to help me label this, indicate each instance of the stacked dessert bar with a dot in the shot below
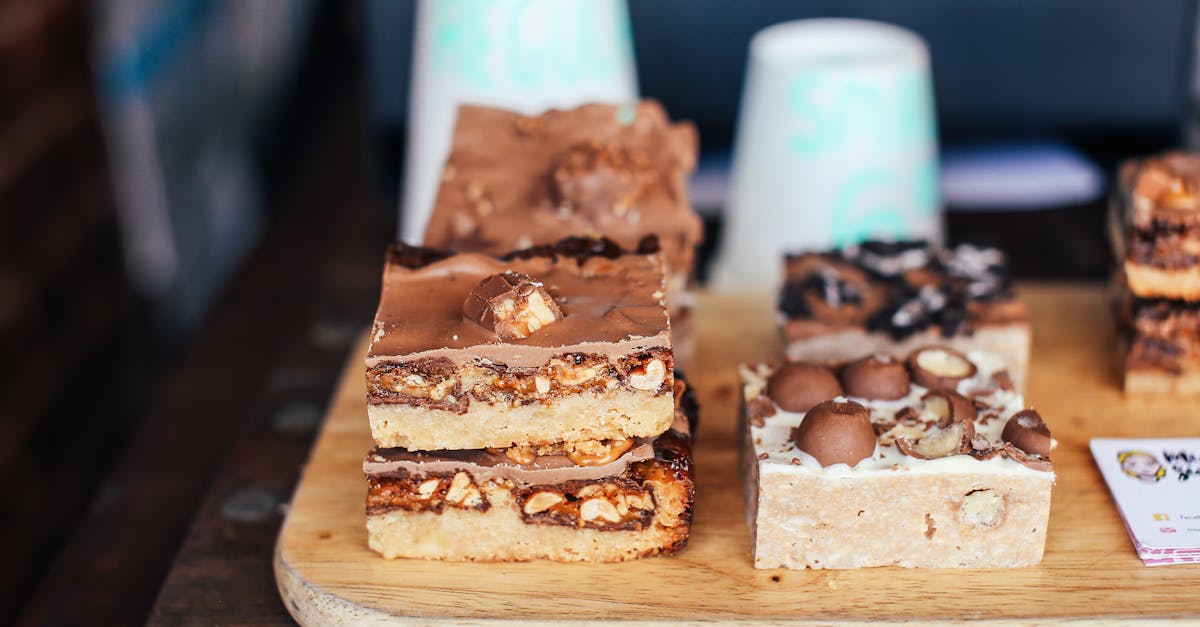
(929, 461)
(1155, 230)
(513, 182)
(895, 297)
(526, 407)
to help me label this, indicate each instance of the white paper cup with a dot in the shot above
(836, 143)
(524, 55)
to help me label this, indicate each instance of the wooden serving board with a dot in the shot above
(326, 573)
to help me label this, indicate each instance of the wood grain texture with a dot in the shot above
(326, 572)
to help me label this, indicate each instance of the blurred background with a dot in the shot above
(188, 186)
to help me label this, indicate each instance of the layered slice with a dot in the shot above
(633, 499)
(895, 297)
(1160, 344)
(513, 181)
(928, 462)
(557, 343)
(1155, 224)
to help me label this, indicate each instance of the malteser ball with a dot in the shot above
(937, 367)
(836, 433)
(876, 377)
(1028, 432)
(797, 387)
(964, 408)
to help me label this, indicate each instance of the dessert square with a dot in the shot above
(1155, 225)
(929, 462)
(895, 297)
(489, 505)
(1159, 344)
(513, 181)
(556, 343)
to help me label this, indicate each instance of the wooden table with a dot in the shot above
(1090, 569)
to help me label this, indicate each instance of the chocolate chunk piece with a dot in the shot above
(836, 432)
(595, 178)
(876, 377)
(798, 387)
(1028, 432)
(512, 304)
(937, 367)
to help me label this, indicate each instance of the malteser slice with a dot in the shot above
(954, 472)
(551, 344)
(487, 506)
(894, 297)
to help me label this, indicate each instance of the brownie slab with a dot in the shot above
(895, 297)
(557, 343)
(1155, 225)
(863, 466)
(486, 506)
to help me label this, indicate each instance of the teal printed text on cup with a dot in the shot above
(833, 114)
(863, 209)
(882, 134)
(528, 43)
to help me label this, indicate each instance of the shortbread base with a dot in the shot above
(914, 521)
(500, 534)
(1147, 382)
(1147, 281)
(1011, 342)
(610, 415)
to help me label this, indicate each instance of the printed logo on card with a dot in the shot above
(1141, 465)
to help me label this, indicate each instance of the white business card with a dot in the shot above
(1156, 484)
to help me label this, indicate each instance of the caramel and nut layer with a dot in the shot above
(439, 384)
(429, 493)
(621, 502)
(1163, 335)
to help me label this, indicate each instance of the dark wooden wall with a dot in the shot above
(64, 301)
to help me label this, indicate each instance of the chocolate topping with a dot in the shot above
(612, 304)
(512, 304)
(1166, 189)
(836, 433)
(900, 288)
(513, 181)
(484, 465)
(938, 367)
(598, 177)
(1028, 432)
(798, 386)
(876, 377)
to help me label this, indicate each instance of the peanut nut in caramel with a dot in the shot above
(798, 387)
(512, 304)
(836, 432)
(1027, 431)
(937, 367)
(876, 377)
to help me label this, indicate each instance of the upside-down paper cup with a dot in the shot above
(524, 55)
(836, 143)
